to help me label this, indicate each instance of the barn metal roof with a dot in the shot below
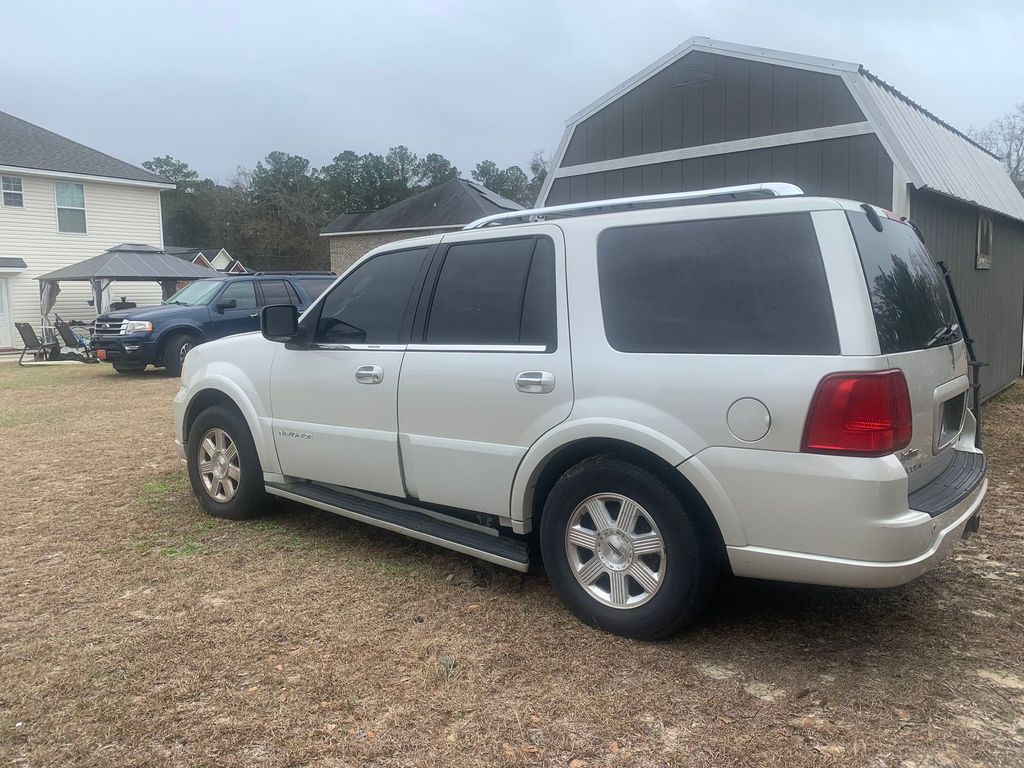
(930, 153)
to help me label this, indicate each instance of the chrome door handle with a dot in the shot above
(255, 314)
(535, 382)
(369, 374)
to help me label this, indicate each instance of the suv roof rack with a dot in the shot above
(295, 272)
(593, 207)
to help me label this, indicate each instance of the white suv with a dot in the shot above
(652, 389)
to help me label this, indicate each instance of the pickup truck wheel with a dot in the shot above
(175, 349)
(223, 465)
(624, 552)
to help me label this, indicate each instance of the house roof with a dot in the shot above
(131, 261)
(452, 204)
(24, 145)
(929, 152)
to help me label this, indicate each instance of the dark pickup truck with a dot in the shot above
(204, 310)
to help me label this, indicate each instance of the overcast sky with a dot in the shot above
(221, 84)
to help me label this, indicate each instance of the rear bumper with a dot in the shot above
(126, 349)
(945, 531)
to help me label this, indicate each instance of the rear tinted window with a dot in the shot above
(908, 295)
(753, 285)
(314, 286)
(483, 287)
(278, 292)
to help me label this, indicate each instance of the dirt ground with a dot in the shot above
(136, 631)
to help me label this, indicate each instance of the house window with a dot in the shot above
(70, 207)
(984, 255)
(13, 197)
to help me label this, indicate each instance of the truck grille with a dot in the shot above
(108, 327)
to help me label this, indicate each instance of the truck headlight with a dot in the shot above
(136, 326)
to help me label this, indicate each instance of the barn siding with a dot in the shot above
(855, 167)
(705, 98)
(992, 299)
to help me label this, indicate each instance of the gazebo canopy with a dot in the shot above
(122, 262)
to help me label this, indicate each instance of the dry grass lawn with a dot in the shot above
(136, 631)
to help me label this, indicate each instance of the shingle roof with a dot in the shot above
(130, 261)
(24, 145)
(452, 204)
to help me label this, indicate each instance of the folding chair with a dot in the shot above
(31, 342)
(71, 339)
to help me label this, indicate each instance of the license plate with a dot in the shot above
(101, 354)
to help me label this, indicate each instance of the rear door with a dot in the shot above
(488, 370)
(917, 331)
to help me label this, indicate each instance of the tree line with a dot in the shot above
(270, 217)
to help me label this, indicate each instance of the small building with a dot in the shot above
(62, 203)
(215, 258)
(443, 208)
(712, 114)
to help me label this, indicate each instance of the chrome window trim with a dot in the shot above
(476, 348)
(360, 347)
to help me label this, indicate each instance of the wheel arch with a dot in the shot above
(540, 470)
(170, 333)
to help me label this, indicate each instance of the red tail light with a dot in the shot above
(860, 414)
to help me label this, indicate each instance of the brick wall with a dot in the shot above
(346, 249)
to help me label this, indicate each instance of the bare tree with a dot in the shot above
(1005, 137)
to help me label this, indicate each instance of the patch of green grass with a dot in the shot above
(155, 493)
(185, 549)
(16, 377)
(263, 525)
(29, 417)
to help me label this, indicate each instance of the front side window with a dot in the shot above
(754, 285)
(70, 207)
(369, 306)
(243, 292)
(483, 288)
(13, 196)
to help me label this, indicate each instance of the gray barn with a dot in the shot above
(712, 114)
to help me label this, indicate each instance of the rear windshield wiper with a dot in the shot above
(945, 335)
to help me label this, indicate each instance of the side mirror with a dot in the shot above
(280, 322)
(226, 304)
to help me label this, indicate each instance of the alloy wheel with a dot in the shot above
(615, 550)
(218, 465)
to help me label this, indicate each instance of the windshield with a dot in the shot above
(908, 295)
(195, 294)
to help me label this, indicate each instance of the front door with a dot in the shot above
(6, 340)
(490, 370)
(243, 317)
(335, 404)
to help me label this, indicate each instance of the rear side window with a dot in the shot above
(314, 286)
(483, 288)
(278, 292)
(908, 295)
(369, 305)
(753, 285)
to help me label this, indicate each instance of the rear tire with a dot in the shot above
(129, 368)
(175, 349)
(223, 465)
(624, 551)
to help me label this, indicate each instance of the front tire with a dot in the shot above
(223, 465)
(175, 349)
(624, 551)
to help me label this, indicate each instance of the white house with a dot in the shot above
(63, 202)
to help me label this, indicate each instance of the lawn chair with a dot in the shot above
(31, 342)
(71, 339)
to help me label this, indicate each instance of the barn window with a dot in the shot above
(984, 255)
